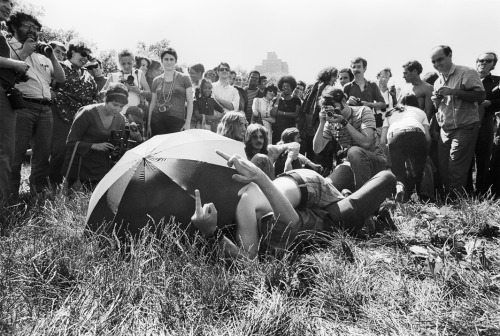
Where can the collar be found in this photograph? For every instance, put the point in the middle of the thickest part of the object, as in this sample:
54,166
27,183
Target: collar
223,84
15,44
452,70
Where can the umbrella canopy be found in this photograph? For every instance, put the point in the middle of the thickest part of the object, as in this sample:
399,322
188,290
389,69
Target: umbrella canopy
157,179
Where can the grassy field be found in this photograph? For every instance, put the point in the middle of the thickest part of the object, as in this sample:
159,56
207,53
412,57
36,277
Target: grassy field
437,275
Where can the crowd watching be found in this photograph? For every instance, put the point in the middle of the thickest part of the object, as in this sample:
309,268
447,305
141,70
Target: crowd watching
433,133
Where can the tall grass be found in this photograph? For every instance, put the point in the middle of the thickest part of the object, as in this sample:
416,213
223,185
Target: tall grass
56,278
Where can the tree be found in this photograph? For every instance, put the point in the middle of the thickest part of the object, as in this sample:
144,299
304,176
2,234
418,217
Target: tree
108,60
28,8
152,50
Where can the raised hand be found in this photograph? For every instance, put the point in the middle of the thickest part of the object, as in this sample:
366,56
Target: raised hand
248,172
205,217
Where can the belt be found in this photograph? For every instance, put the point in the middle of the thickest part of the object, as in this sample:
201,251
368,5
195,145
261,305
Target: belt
407,130
43,101
302,187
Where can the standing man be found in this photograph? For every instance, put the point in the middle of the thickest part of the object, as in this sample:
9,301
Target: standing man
345,76
223,92
457,93
299,90
252,91
196,73
34,122
423,91
9,69
262,83
95,68
485,63
361,91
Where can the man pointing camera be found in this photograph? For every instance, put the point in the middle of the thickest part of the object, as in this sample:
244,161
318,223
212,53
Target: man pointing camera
34,121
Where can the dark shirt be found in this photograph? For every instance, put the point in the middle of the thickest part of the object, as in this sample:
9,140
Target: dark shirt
207,106
100,81
370,94
284,122
77,91
250,96
491,86
7,76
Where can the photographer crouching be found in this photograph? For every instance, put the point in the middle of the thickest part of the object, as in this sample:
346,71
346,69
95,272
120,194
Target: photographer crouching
98,138
33,115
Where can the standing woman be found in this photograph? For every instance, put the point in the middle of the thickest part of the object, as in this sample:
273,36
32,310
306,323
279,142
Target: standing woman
262,108
91,129
171,91
78,90
8,70
134,79
288,107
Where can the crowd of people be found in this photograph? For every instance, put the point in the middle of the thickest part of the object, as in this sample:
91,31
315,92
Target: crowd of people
431,133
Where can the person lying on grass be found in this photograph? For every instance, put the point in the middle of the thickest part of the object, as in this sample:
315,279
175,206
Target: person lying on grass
298,202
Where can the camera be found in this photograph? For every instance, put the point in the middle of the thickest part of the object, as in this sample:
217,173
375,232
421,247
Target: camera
21,77
129,81
43,48
121,143
330,114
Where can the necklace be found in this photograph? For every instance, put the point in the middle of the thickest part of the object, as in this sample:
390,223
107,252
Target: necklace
163,107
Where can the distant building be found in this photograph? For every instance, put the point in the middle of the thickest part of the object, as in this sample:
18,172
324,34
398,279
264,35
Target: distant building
272,65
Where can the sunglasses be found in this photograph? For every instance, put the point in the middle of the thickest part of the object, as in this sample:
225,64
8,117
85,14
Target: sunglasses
83,53
484,60
224,69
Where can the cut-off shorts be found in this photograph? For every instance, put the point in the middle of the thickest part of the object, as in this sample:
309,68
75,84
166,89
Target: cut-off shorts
315,190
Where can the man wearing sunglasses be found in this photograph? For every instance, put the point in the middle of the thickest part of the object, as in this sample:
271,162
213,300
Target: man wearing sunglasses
95,68
223,92
33,122
457,93
485,63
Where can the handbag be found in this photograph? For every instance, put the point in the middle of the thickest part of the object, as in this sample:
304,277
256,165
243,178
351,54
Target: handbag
77,185
15,98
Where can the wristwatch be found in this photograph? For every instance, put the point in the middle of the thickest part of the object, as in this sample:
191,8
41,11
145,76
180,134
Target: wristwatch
344,123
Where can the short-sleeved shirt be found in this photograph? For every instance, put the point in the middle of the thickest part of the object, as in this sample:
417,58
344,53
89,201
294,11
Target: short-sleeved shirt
370,94
361,118
119,77
207,105
178,99
410,117
226,92
40,73
78,90
454,112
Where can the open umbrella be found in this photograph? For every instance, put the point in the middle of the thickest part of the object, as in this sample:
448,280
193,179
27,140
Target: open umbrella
157,179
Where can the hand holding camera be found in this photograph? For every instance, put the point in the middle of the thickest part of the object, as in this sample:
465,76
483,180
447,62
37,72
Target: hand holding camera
354,101
102,146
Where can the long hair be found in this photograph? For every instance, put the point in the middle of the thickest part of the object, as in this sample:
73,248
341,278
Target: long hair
229,124
253,128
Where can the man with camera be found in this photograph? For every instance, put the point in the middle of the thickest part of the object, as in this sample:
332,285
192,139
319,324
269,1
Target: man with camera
34,120
353,127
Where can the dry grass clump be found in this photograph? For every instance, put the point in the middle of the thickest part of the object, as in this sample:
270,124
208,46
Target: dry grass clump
437,275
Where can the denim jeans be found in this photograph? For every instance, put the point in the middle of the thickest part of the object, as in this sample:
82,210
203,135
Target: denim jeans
364,165
33,125
455,152
408,150
7,144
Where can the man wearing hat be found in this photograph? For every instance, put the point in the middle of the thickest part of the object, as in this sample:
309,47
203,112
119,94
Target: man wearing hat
353,127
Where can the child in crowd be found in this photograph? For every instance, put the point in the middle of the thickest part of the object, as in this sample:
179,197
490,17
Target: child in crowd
206,109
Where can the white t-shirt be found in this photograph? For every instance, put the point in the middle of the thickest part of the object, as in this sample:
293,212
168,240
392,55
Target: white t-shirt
120,77
410,117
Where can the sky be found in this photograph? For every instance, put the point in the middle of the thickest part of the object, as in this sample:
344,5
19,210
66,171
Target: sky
308,35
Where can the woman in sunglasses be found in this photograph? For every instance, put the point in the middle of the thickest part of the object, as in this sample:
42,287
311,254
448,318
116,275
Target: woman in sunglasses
171,105
78,90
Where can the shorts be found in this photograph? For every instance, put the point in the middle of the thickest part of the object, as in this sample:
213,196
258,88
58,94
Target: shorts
315,190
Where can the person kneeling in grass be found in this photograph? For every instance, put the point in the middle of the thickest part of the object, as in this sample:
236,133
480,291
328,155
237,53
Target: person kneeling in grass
299,201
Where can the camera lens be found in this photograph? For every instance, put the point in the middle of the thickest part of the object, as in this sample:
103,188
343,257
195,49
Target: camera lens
329,114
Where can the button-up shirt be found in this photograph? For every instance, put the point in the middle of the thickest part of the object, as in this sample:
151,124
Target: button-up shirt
226,92
454,112
40,73
370,93
491,86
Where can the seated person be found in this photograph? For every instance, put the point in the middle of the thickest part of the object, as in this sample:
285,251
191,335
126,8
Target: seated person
301,202
290,135
135,121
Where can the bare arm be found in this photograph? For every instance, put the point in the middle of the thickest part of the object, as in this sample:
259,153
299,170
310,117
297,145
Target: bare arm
59,75
189,113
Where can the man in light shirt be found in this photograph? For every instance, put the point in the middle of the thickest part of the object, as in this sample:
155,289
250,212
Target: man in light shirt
223,92
34,122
